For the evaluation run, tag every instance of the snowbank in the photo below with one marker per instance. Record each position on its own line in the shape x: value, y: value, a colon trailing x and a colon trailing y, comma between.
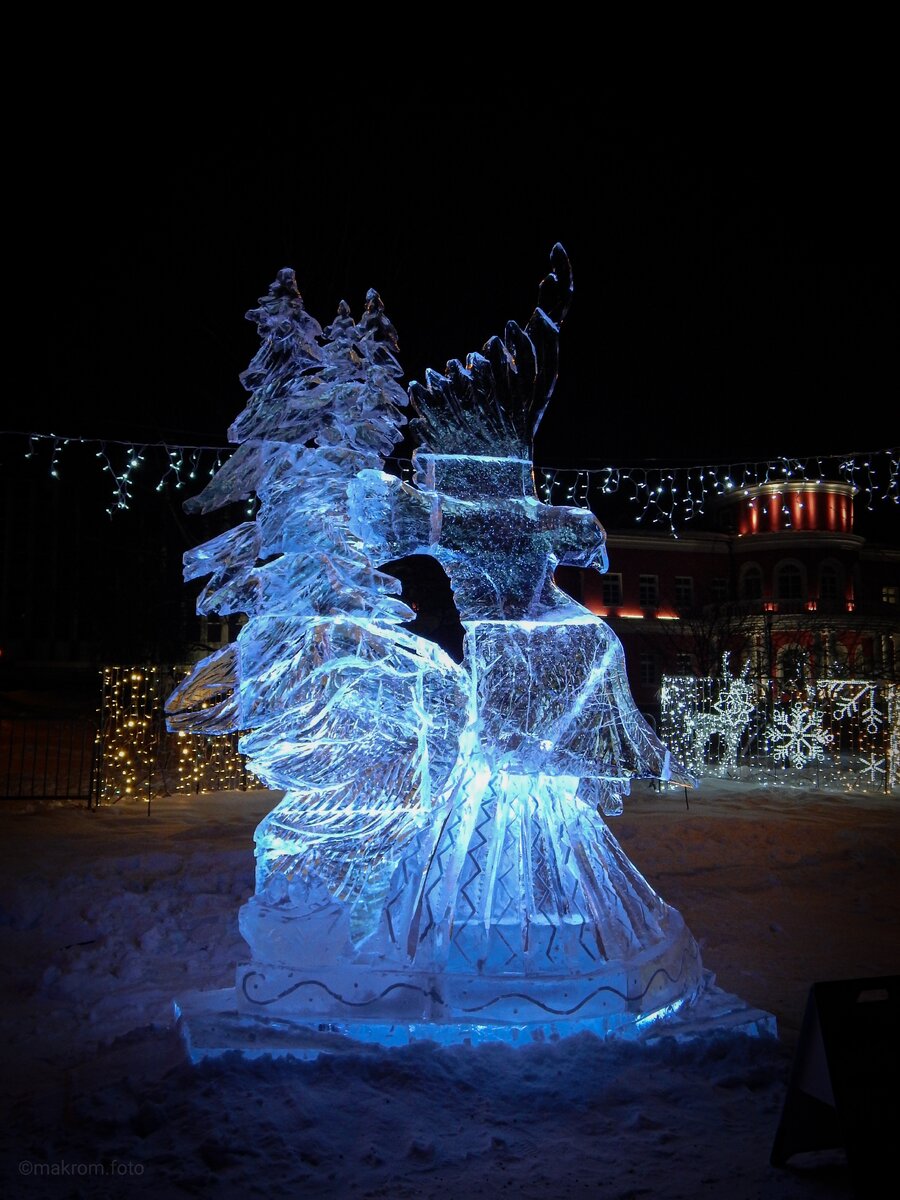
x: 106, y: 916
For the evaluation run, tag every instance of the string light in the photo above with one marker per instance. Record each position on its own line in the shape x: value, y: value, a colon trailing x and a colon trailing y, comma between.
x: 675, y: 495
x: 139, y: 758
x: 664, y: 495
x: 846, y: 730
x: 176, y: 466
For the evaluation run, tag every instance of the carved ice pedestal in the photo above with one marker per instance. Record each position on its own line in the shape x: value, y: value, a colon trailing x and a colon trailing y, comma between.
x: 518, y: 908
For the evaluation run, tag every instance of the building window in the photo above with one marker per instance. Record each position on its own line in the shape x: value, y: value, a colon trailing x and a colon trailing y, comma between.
x: 865, y: 658
x: 751, y: 584
x: 884, y: 654
x: 839, y: 661
x: 612, y: 590
x: 718, y: 590
x: 829, y: 584
x: 212, y: 630
x: 889, y: 594
x: 684, y: 664
x: 792, y: 665
x: 648, y: 591
x: 648, y: 672
x: 788, y: 582
x: 684, y: 591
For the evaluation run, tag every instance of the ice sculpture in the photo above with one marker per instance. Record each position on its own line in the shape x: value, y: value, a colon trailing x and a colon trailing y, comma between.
x: 439, y: 855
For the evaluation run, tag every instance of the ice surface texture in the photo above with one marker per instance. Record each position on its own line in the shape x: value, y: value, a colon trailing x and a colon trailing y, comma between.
x: 439, y: 853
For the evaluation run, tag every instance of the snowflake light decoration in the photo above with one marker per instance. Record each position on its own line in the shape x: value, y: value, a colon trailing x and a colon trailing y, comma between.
x: 874, y: 769
x: 855, y: 697
x: 737, y: 697
x: 799, y: 735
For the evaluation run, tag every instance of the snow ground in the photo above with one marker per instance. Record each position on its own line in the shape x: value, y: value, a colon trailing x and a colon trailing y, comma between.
x: 106, y: 916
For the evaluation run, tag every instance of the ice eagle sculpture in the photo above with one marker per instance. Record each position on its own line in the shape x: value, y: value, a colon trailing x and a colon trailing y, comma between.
x: 440, y: 856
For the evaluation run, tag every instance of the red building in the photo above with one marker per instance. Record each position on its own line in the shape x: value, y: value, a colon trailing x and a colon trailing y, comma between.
x: 781, y: 581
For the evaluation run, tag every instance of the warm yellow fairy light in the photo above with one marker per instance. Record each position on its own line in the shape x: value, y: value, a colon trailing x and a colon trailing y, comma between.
x: 139, y: 756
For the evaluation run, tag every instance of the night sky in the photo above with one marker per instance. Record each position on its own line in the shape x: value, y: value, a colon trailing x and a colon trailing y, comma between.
x: 734, y: 274
x: 734, y: 267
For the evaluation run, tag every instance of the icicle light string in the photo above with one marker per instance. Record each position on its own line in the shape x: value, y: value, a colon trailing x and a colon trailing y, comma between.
x: 663, y: 495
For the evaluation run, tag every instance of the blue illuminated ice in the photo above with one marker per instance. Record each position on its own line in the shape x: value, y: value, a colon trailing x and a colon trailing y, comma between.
x: 439, y: 855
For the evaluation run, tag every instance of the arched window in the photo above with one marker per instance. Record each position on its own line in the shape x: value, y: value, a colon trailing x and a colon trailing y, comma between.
x: 792, y: 665
x: 829, y: 585
x: 789, y: 583
x: 751, y: 583
x: 864, y: 659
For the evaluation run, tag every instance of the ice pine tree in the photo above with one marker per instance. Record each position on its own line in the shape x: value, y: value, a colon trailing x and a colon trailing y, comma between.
x: 441, y: 853
x: 323, y: 676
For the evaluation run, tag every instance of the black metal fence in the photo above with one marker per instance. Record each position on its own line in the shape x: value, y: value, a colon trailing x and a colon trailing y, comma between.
x: 49, y: 758
x: 121, y: 750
